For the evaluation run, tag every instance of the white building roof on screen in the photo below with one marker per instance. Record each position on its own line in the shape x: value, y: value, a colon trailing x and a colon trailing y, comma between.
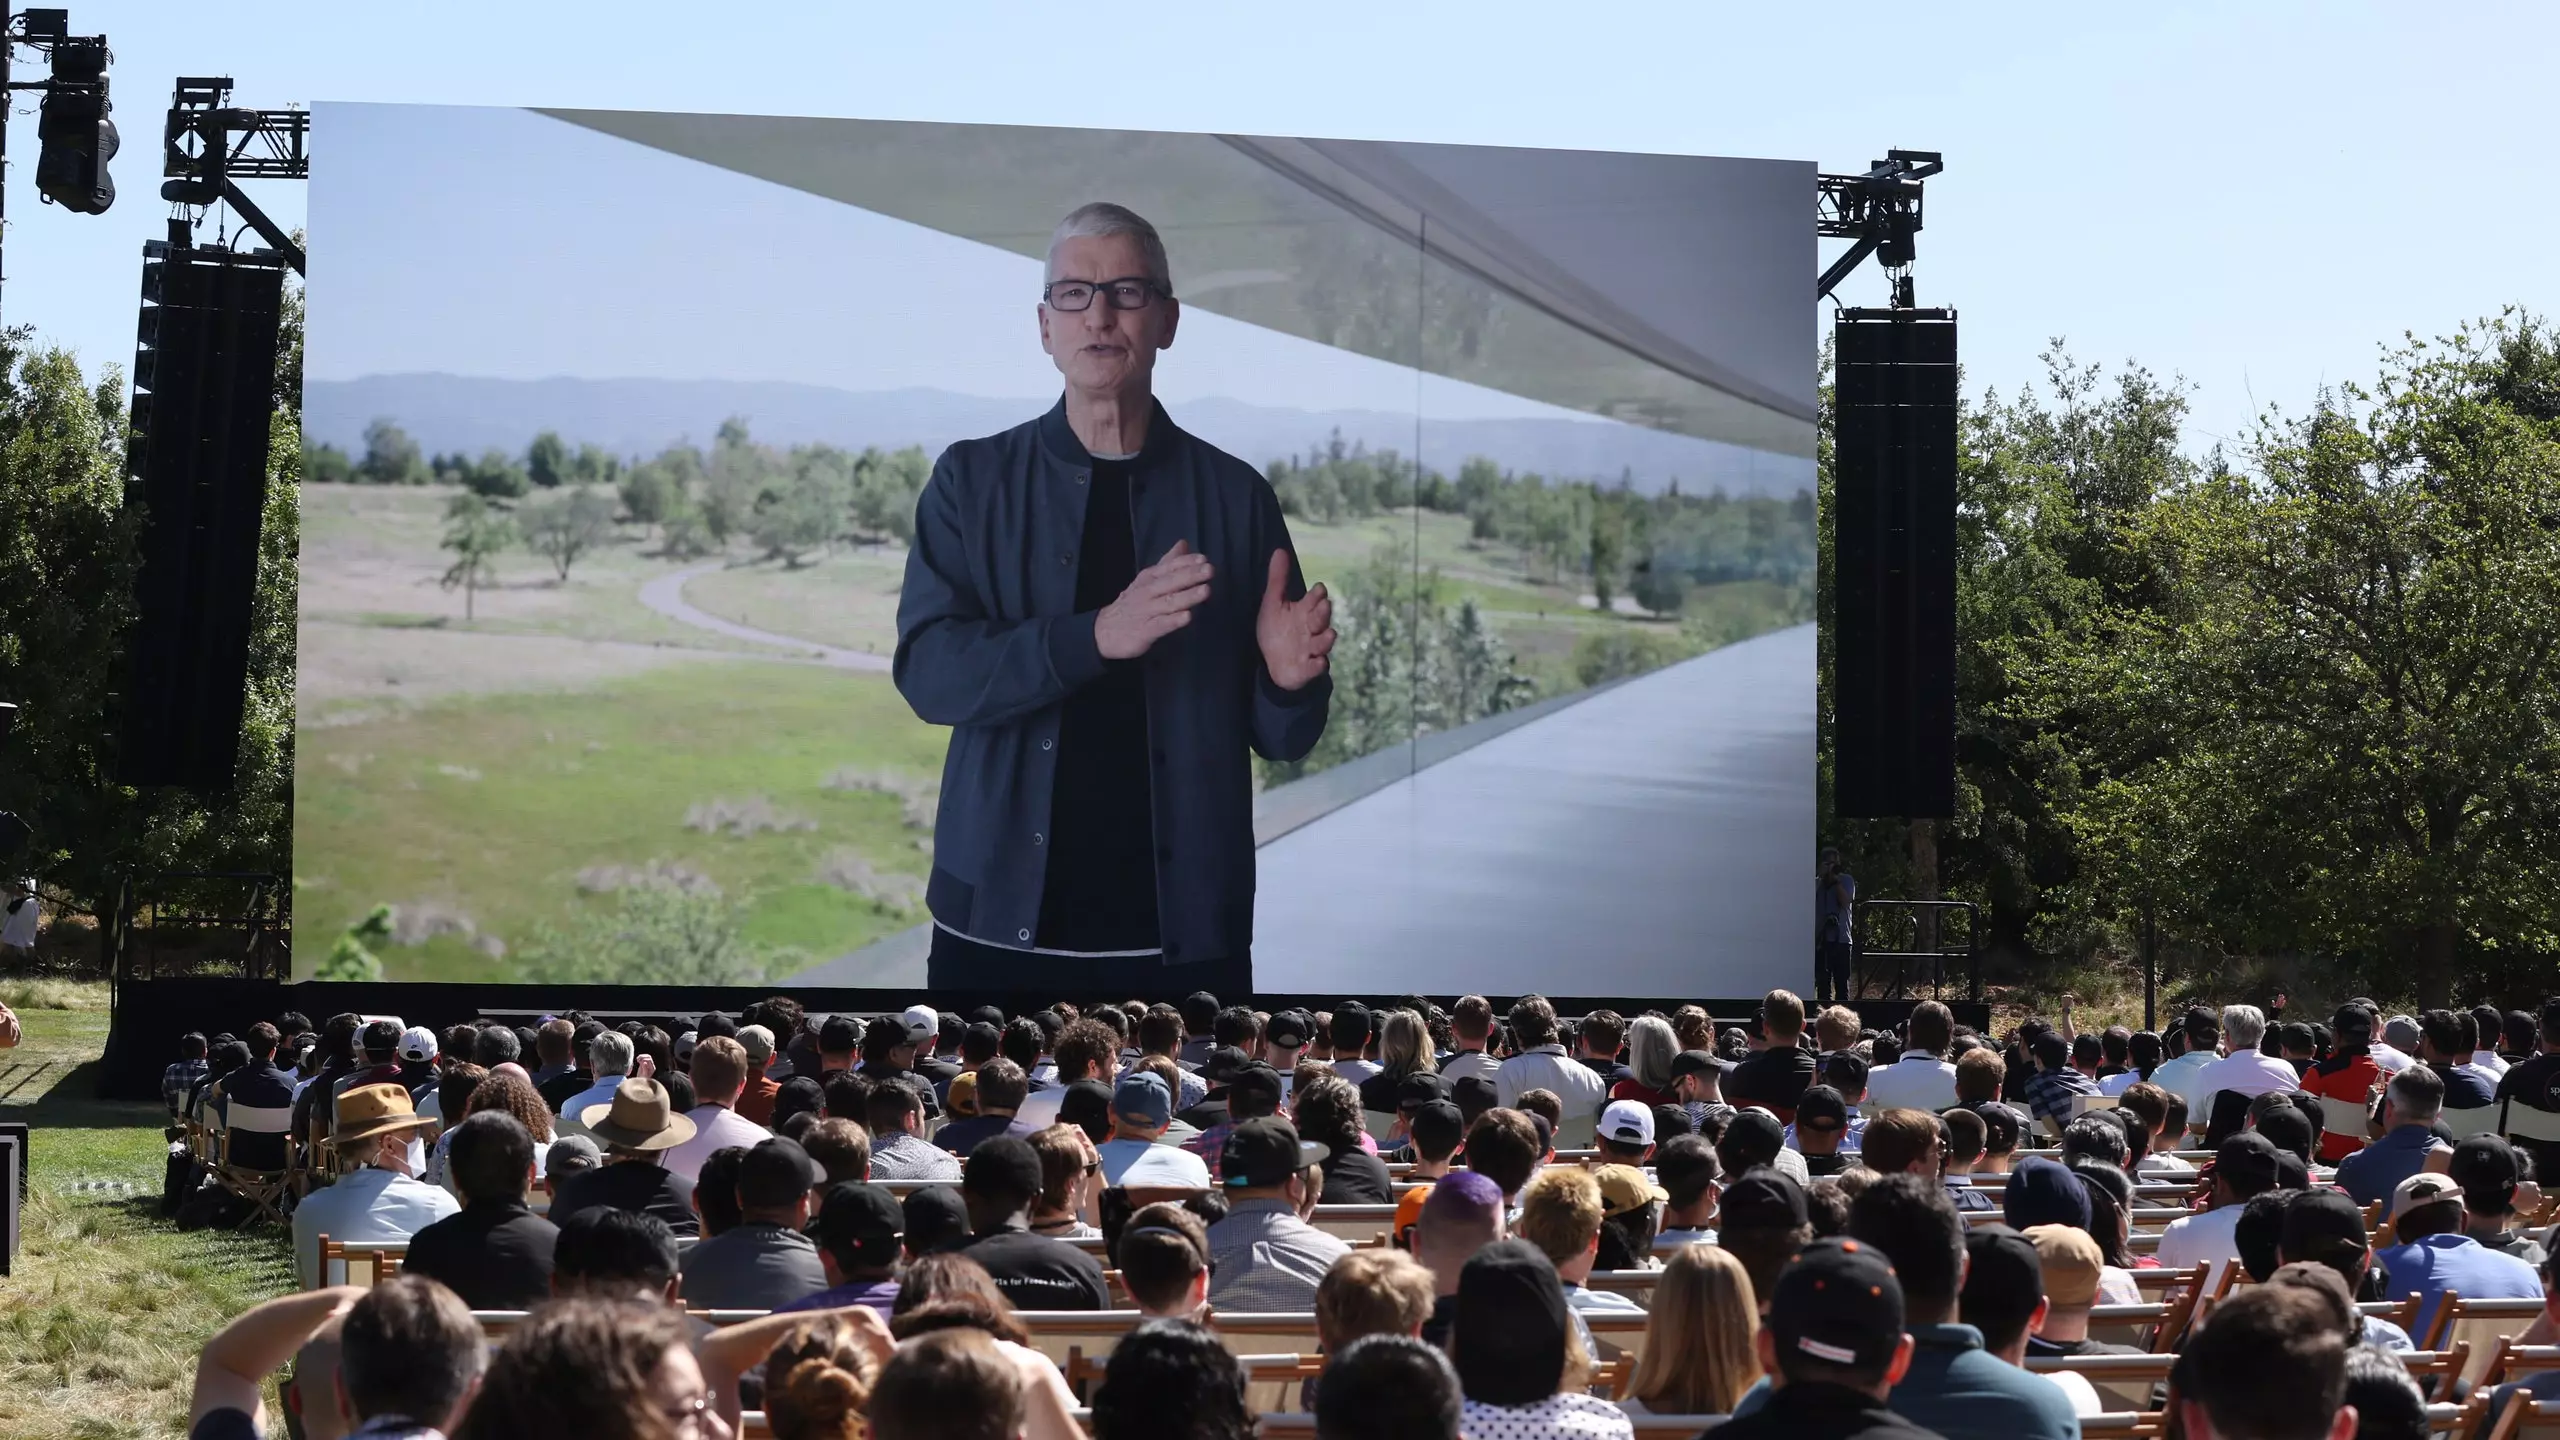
x: 1664, y: 290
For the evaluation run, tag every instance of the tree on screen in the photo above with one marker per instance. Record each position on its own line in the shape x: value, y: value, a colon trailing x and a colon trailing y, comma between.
x: 563, y: 525
x: 546, y: 460
x: 475, y: 532
x: 390, y: 456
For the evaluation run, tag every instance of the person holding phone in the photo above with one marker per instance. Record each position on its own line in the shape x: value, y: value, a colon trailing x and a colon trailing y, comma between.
x: 1108, y: 612
x: 1835, y: 895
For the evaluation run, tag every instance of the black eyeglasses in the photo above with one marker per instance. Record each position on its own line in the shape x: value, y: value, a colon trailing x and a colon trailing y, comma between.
x: 1075, y: 296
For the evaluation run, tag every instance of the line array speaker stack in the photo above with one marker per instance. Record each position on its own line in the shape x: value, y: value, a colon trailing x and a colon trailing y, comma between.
x: 203, y: 379
x: 1894, y: 564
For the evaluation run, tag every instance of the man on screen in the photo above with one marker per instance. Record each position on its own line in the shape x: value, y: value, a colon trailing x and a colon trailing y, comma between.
x: 1108, y: 612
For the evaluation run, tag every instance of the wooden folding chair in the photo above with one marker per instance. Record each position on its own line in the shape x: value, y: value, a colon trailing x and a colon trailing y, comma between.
x: 360, y: 1262
x: 264, y: 1190
x: 1275, y: 1384
x: 2480, y: 1325
x: 2514, y: 1362
x: 2161, y: 1284
x: 2121, y: 1425
x: 2439, y: 1371
x: 2525, y: 1416
x: 1611, y: 1378
x: 2123, y: 1382
x: 2135, y: 1325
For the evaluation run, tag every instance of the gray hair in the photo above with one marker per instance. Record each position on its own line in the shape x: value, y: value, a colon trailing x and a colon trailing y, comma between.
x: 1101, y: 219
x: 2243, y: 1026
x: 1651, y: 1047
x: 611, y: 1052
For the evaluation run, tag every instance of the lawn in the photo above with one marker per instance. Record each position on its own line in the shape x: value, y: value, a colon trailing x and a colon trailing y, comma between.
x: 101, y: 1321
x: 488, y: 807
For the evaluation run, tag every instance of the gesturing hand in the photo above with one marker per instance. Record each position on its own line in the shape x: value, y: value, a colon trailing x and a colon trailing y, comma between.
x: 1157, y: 603
x: 1295, y: 635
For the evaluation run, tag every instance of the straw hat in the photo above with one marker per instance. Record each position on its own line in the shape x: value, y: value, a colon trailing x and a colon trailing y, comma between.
x: 371, y: 1110
x: 640, y: 1116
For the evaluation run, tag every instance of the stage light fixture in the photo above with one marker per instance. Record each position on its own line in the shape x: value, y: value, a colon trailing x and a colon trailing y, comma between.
x: 76, y: 136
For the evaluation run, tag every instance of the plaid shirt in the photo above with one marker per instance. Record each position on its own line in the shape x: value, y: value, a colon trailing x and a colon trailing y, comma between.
x: 2049, y: 1093
x: 177, y: 1080
x: 1263, y: 1259
x: 1211, y: 1145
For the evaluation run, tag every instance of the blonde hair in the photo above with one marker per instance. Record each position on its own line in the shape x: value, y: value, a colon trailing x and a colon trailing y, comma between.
x: 1404, y: 1044
x: 1371, y: 1292
x: 1836, y: 1028
x: 1560, y: 1212
x: 816, y: 1382
x: 1700, y: 1341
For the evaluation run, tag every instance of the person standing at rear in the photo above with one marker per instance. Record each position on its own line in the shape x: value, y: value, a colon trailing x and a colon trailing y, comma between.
x: 1110, y: 615
x: 1835, y: 898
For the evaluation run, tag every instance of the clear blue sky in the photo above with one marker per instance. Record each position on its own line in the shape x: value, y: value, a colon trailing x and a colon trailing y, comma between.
x: 2251, y: 196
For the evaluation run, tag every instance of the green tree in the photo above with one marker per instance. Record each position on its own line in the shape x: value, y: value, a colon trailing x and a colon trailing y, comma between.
x: 653, y: 935
x: 351, y: 957
x: 494, y: 475
x: 546, y: 460
x: 390, y: 456
x: 326, y: 464
x: 1658, y: 586
x: 563, y: 525
x: 595, y: 465
x: 475, y: 532
x: 808, y: 511
x: 2342, y: 711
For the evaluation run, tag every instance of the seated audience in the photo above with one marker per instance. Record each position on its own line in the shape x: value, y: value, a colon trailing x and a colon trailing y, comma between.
x: 378, y: 1197
x: 2055, y: 1082
x: 1389, y: 1387
x: 1264, y: 1256
x: 1433, y: 1132
x: 1327, y: 1112
x: 407, y: 1355
x: 1774, y: 1077
x: 899, y: 1149
x: 859, y: 1233
x: 1001, y: 1180
x: 1766, y: 1224
x: 609, y: 1054
x: 1171, y: 1380
x: 2003, y: 1298
x: 2324, y: 1227
x: 597, y: 1369
x: 1690, y: 1174
x: 1136, y: 1157
x: 2413, y: 1104
x: 961, y: 1384
x: 636, y: 1128
x: 1506, y: 1147
x: 2260, y: 1332
x: 1630, y: 1216
x: 720, y: 1069
x: 495, y: 1253
x: 2071, y: 1265
x: 1560, y: 1214
x: 842, y: 1148
x: 1070, y: 1182
x: 1821, y: 1131
x: 765, y: 1261
x: 1463, y: 1214
x: 1701, y: 1341
x: 2490, y: 1169
x: 997, y: 1092
x: 2243, y: 1166
x: 817, y: 1379
x: 937, y: 1220
x: 2425, y: 1252
x: 1163, y: 1258
x: 1834, y: 1349
x: 1520, y: 1366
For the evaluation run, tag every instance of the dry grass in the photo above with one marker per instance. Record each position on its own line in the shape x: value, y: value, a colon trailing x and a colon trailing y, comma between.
x: 54, y: 994
x: 101, y: 1320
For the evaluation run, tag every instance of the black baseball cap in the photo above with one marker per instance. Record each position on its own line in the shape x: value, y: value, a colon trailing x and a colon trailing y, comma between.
x: 2247, y: 1156
x: 1003, y: 1165
x: 1761, y: 1196
x: 1838, y: 1302
x: 2000, y: 1128
x: 863, y: 1222
x: 2003, y: 1278
x: 1223, y: 1064
x: 1479, y: 1088
x: 936, y: 1217
x: 1289, y: 1029
x: 1266, y: 1152
x: 2322, y: 1225
x: 1821, y: 1108
x: 776, y: 1172
x: 1086, y: 1105
x: 1436, y: 1127
x: 1256, y: 1082
x: 1420, y: 1088
x: 1695, y: 1062
x: 2487, y: 1167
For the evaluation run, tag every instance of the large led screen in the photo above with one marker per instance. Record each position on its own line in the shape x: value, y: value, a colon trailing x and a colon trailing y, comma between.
x: 730, y: 554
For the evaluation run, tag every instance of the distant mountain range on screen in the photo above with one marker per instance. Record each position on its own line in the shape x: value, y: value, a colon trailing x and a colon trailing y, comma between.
x: 640, y: 417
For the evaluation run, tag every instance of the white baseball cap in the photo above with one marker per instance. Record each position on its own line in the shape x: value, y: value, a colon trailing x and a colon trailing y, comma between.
x: 417, y: 1043
x: 1627, y: 1122
x: 921, y: 1022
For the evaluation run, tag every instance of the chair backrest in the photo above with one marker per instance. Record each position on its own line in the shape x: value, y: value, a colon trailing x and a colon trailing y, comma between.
x: 2120, y: 1425
x: 1618, y: 1332
x: 2156, y: 1284
x: 1273, y: 1383
x: 2123, y: 1382
x: 2524, y: 1122
x: 2125, y: 1324
x: 361, y: 1262
x: 2436, y: 1371
x: 2083, y: 1104
x: 2482, y: 1325
x: 1300, y: 1426
x: 2525, y: 1416
x: 2345, y: 1117
x: 2475, y: 1120
x: 1636, y: 1285
x: 1355, y: 1223
x: 2520, y: 1360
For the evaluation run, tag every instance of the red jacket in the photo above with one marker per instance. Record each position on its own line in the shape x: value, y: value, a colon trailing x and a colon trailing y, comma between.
x: 2342, y: 1077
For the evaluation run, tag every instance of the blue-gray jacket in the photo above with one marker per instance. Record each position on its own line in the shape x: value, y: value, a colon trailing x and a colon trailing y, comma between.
x: 990, y: 643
